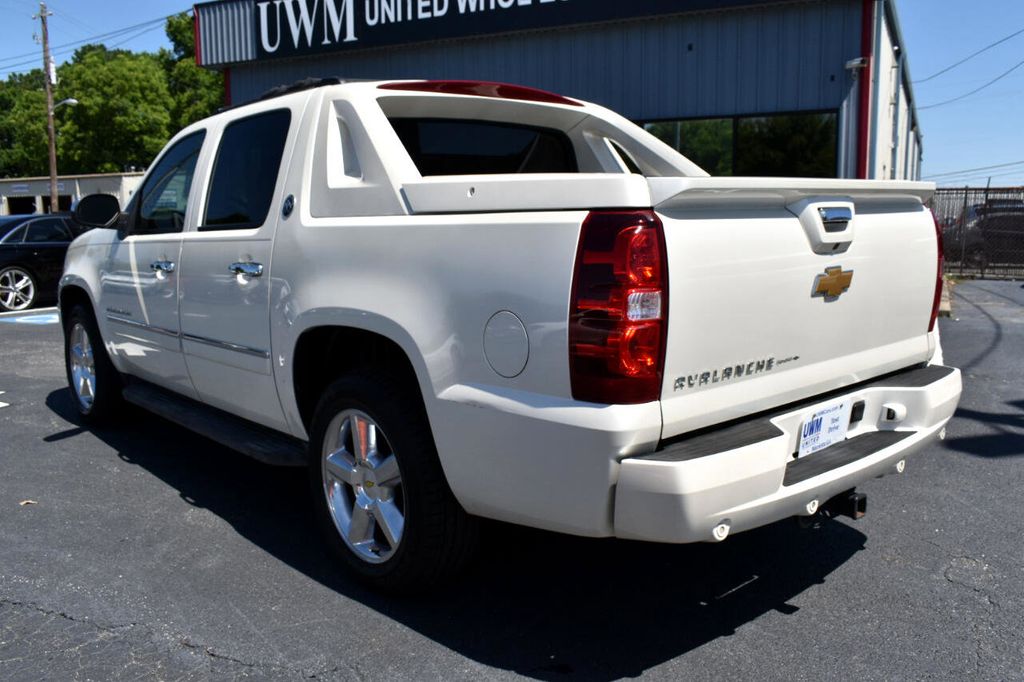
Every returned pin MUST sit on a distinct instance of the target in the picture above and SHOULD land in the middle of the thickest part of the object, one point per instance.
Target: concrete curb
(946, 302)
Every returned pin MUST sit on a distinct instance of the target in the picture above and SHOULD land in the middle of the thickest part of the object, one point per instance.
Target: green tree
(195, 92)
(130, 105)
(122, 120)
(23, 141)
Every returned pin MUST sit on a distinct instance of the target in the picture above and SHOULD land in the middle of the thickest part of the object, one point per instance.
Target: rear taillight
(618, 314)
(941, 258)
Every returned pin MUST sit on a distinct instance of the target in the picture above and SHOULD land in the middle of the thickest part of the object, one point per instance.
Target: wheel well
(325, 353)
(70, 296)
(21, 266)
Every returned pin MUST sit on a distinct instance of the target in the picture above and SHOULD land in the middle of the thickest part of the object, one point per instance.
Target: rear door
(225, 285)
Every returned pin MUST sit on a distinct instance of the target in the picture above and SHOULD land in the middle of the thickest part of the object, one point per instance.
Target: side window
(47, 230)
(15, 237)
(245, 172)
(163, 200)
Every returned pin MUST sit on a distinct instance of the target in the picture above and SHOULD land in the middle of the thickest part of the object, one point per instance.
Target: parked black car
(988, 235)
(32, 249)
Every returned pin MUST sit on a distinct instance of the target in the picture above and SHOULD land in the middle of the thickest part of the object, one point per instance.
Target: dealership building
(815, 88)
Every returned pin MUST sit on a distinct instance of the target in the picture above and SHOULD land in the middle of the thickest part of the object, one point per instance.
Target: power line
(970, 177)
(976, 90)
(972, 170)
(9, 67)
(102, 36)
(133, 37)
(969, 57)
(978, 178)
(74, 20)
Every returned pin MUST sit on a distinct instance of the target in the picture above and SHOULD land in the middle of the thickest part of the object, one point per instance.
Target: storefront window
(706, 142)
(790, 145)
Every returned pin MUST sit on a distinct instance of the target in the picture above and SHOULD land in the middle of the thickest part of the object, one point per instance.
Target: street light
(71, 102)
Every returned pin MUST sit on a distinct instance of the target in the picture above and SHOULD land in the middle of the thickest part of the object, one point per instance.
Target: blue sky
(983, 130)
(77, 20)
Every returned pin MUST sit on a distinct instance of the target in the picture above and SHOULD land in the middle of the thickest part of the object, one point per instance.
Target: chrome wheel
(17, 290)
(83, 368)
(363, 486)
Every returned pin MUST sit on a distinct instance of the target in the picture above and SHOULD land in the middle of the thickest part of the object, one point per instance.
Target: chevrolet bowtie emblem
(833, 284)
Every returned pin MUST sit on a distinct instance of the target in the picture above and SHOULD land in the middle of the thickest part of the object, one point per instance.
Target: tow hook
(849, 503)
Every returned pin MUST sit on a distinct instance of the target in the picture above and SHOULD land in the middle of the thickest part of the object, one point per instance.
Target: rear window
(47, 230)
(460, 147)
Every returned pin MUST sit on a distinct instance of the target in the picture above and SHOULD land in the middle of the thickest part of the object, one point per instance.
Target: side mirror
(97, 210)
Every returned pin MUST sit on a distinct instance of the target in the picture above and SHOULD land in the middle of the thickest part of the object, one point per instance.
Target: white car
(454, 300)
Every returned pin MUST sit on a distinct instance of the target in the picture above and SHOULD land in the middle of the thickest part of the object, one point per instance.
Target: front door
(225, 280)
(139, 281)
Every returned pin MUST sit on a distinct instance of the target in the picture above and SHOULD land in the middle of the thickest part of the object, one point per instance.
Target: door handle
(246, 269)
(162, 266)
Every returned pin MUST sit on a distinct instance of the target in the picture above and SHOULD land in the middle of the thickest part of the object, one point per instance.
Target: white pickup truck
(454, 300)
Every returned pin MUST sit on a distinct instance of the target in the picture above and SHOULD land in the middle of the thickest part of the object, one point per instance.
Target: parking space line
(3, 405)
(31, 311)
(41, 316)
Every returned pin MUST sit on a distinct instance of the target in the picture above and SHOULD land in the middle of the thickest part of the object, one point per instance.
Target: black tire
(978, 259)
(438, 536)
(25, 299)
(106, 400)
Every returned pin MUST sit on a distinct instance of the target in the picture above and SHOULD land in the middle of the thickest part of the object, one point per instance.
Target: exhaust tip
(900, 466)
(812, 507)
(720, 532)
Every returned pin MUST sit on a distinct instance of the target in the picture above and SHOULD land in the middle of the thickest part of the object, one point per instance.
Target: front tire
(94, 381)
(381, 497)
(18, 289)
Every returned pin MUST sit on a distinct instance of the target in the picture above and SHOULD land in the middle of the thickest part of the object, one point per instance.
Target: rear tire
(94, 382)
(381, 497)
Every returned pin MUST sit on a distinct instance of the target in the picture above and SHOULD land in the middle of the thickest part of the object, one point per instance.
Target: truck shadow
(539, 604)
(1004, 437)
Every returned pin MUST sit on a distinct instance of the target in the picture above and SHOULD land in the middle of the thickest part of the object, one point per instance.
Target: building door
(225, 285)
(138, 303)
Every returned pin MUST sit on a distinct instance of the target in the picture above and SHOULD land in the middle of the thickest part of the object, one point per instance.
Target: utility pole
(50, 78)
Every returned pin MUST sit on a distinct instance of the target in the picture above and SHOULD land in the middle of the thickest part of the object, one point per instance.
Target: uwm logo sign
(290, 27)
(286, 28)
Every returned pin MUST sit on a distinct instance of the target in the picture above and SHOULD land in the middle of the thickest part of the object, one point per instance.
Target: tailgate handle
(829, 222)
(835, 218)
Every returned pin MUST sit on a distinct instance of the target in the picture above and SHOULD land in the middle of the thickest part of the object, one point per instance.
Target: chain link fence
(983, 231)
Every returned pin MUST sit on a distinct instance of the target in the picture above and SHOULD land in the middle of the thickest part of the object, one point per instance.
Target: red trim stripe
(195, 36)
(867, 43)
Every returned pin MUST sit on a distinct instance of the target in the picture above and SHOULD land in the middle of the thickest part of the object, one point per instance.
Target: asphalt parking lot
(149, 552)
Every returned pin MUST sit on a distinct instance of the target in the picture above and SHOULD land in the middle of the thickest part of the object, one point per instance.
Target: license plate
(827, 426)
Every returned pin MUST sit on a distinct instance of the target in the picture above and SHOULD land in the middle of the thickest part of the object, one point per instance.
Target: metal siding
(227, 33)
(757, 60)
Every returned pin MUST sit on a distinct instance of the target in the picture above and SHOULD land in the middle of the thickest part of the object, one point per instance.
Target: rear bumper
(744, 475)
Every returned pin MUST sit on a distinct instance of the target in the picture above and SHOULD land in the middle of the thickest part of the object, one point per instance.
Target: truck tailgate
(772, 300)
